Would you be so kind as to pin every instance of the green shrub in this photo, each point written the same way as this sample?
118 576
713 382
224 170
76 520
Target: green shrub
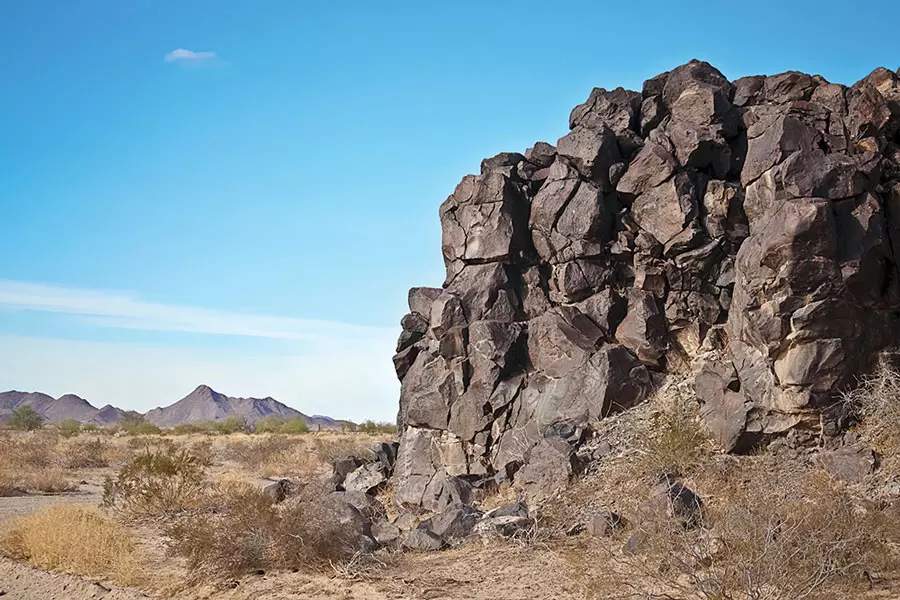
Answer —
157 483
142 429
230 425
26 419
186 429
374 428
68 428
288 426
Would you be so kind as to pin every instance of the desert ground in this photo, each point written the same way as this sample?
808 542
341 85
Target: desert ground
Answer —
779 524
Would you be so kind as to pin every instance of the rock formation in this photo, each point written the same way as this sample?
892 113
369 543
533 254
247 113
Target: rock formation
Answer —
739 232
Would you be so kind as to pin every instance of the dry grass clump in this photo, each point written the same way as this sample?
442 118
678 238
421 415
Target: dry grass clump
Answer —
74 538
770 529
240 530
160 483
757 541
876 401
308 456
31 450
86 454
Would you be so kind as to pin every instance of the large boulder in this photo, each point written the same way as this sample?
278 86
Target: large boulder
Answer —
739 232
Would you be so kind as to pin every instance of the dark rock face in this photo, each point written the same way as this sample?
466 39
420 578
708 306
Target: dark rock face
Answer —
743 232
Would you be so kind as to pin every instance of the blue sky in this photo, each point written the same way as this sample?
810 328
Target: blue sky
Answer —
241 193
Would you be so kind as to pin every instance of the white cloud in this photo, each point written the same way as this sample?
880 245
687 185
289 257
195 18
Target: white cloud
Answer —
188 56
124 311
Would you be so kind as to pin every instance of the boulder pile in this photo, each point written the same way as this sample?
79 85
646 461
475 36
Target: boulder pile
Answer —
742 233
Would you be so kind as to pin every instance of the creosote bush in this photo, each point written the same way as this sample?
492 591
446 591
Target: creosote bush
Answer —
239 529
68 428
286 426
26 419
86 454
157 483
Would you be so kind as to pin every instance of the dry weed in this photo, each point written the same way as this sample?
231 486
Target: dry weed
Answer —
156 484
73 538
240 529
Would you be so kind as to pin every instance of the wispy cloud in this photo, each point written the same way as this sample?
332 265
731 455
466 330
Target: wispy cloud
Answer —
126 311
355 384
323 367
181 55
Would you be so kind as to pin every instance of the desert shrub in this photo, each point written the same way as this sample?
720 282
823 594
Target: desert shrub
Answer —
372 428
135 424
758 541
26 418
87 454
243 530
22 452
257 453
329 448
186 429
68 428
676 444
203 451
46 481
875 403
74 538
230 425
157 483
142 429
286 426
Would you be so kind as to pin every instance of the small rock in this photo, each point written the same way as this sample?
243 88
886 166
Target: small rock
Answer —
634 542
385 533
454 523
365 479
386 455
605 524
850 463
422 539
518 509
407 521
341 468
675 500
276 491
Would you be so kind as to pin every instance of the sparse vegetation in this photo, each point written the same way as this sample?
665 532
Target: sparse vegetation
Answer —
87 454
285 426
134 424
68 428
757 541
73 538
246 531
375 428
26 418
157 483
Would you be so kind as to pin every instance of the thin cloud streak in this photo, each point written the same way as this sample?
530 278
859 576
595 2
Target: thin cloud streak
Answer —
183 55
125 311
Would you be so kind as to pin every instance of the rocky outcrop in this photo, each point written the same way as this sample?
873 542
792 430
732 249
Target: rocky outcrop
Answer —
743 232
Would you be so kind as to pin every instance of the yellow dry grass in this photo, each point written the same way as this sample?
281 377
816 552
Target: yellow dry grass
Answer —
73 538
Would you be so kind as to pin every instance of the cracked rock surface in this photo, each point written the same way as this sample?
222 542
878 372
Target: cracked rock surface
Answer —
742 232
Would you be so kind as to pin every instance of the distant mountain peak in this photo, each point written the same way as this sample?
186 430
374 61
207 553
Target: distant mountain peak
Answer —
202 404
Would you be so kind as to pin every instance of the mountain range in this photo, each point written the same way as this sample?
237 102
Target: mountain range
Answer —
203 404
